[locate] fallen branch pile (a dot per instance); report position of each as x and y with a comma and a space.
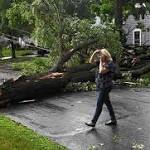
136, 61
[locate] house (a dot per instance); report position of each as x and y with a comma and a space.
137, 31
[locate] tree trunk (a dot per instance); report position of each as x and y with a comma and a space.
119, 18
144, 56
24, 89
13, 52
27, 88
119, 13
16, 91
1, 55
83, 67
138, 72
65, 57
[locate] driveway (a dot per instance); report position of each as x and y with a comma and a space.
62, 118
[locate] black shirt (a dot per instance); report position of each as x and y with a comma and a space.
105, 80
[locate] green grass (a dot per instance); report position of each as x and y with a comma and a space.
29, 65
6, 52
34, 66
14, 136
145, 79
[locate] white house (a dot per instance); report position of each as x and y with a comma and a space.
137, 31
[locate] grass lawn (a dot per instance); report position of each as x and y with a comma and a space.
6, 52
28, 65
14, 136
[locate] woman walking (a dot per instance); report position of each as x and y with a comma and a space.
104, 76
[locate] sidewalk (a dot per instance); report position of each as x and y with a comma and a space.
62, 118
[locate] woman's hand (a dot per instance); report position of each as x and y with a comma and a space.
102, 67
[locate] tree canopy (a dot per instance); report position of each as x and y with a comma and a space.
60, 26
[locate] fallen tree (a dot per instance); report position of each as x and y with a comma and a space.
136, 73
15, 91
41, 85
65, 37
31, 88
27, 88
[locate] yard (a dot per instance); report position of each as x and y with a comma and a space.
14, 136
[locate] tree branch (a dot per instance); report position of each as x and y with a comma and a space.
64, 58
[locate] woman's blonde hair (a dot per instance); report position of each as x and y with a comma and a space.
104, 52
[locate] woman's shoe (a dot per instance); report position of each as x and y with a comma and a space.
111, 122
90, 124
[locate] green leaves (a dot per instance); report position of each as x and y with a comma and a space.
35, 66
20, 15
76, 87
105, 9
53, 28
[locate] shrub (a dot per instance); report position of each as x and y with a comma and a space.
78, 87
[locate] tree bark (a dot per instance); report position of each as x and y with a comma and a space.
83, 67
1, 55
119, 18
136, 73
24, 89
65, 57
13, 52
119, 13
144, 56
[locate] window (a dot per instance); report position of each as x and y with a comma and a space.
137, 37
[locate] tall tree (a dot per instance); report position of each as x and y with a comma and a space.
4, 5
53, 27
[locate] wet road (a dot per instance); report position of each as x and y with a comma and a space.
62, 118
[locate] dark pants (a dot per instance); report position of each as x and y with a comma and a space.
103, 97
